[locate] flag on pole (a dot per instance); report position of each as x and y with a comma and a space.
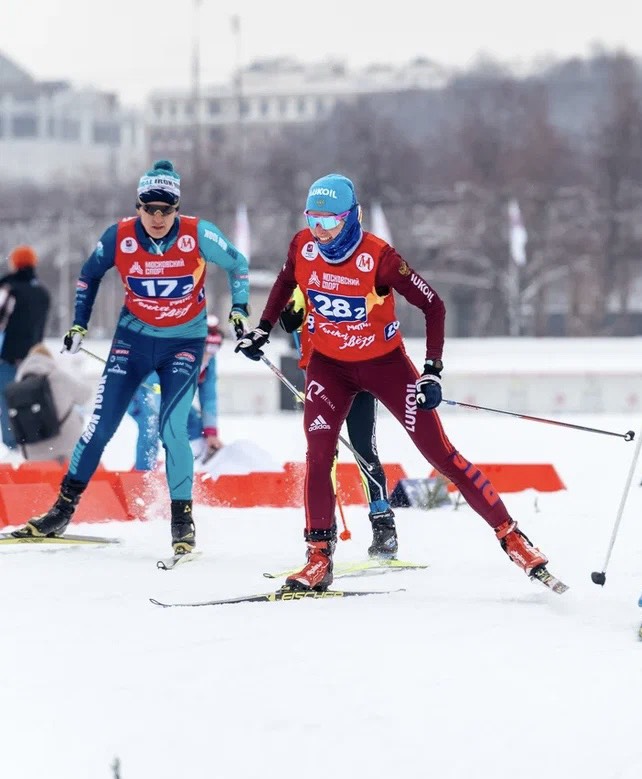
242, 231
379, 223
518, 236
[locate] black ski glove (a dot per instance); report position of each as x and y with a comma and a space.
251, 344
291, 319
428, 386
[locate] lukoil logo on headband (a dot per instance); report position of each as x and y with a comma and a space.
323, 191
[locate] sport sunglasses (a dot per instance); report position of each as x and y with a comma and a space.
154, 208
326, 222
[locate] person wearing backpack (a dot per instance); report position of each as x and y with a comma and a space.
24, 307
68, 394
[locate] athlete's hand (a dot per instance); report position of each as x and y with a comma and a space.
212, 445
251, 345
72, 339
239, 319
428, 386
291, 318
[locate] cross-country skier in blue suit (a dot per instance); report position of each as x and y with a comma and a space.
161, 258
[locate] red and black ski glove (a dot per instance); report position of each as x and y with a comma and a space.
428, 386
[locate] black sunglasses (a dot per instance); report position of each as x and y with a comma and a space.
155, 208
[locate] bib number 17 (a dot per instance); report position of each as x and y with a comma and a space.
161, 287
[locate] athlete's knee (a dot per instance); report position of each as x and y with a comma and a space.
320, 456
99, 432
450, 463
465, 475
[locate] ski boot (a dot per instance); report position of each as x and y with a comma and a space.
519, 548
384, 534
316, 574
55, 521
183, 530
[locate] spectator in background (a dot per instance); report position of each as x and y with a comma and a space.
144, 409
69, 394
202, 423
24, 306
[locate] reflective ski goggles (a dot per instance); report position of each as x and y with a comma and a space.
326, 222
157, 208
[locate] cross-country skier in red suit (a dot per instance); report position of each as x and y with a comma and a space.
348, 277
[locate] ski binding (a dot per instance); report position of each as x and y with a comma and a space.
169, 563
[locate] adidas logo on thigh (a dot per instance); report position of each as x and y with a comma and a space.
319, 424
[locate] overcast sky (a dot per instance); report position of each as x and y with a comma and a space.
133, 47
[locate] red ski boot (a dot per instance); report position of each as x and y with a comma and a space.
519, 548
316, 574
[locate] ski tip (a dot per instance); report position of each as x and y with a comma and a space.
269, 575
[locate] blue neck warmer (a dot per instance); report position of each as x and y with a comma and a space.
339, 249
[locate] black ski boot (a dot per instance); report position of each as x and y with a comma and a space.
55, 521
183, 530
384, 534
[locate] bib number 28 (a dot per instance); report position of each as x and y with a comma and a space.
338, 308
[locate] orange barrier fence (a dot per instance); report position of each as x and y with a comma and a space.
515, 477
17, 504
31, 488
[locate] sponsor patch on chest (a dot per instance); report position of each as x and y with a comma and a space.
310, 251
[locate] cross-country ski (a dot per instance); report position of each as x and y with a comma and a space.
283, 595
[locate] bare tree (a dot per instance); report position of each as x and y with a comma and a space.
619, 177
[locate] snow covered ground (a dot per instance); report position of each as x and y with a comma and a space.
473, 671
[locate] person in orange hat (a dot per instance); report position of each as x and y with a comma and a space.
24, 307
23, 257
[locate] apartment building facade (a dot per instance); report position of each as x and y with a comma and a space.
51, 132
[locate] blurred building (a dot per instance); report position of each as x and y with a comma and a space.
50, 131
268, 94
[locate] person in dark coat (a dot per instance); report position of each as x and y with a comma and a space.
24, 307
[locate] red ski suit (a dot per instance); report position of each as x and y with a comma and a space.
356, 345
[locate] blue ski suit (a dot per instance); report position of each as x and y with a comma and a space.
173, 351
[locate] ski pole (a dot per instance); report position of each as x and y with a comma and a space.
345, 534
155, 388
628, 436
599, 577
298, 394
